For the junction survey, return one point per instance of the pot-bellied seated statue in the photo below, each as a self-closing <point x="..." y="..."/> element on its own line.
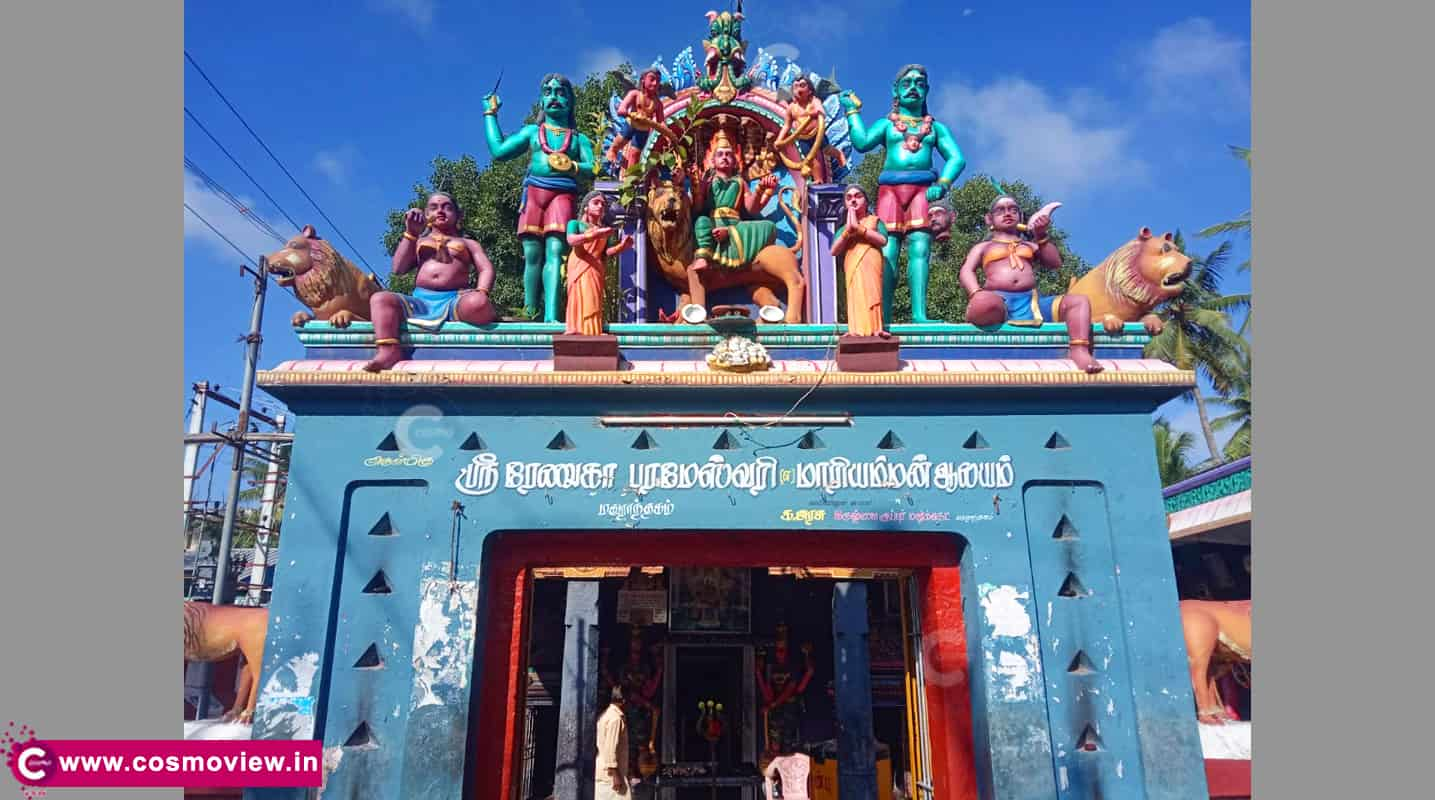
<point x="1218" y="639"/>
<point x="1010" y="293"/>
<point x="444" y="258"/>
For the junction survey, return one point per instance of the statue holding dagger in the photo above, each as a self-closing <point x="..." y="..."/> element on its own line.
<point x="558" y="154"/>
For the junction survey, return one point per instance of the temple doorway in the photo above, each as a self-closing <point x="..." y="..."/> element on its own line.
<point x="725" y="668"/>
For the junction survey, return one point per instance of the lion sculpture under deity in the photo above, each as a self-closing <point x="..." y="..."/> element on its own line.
<point x="1133" y="280"/>
<point x="334" y="289"/>
<point x="670" y="233"/>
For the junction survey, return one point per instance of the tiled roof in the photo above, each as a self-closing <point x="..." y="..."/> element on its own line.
<point x="1218" y="513"/>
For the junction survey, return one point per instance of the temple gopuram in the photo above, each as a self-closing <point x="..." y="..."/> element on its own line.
<point x="922" y="560"/>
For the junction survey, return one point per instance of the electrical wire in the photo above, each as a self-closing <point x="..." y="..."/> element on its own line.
<point x="214" y="186"/>
<point x="247" y="259"/>
<point x="285" y="169"/>
<point x="746" y="428"/>
<point x="200" y="217"/>
<point x="236" y="163"/>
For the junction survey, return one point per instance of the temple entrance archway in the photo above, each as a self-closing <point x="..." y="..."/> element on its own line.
<point x="891" y="600"/>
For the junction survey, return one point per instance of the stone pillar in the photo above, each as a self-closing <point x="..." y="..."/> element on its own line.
<point x="577" y="710"/>
<point x="856" y="746"/>
<point x="825" y="213"/>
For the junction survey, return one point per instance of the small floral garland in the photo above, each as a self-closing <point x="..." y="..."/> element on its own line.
<point x="913" y="142"/>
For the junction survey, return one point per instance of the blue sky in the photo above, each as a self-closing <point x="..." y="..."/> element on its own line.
<point x="1121" y="110"/>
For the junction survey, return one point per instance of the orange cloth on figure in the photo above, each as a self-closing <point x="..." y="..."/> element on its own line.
<point x="998" y="250"/>
<point x="584" y="314"/>
<point x="863" y="264"/>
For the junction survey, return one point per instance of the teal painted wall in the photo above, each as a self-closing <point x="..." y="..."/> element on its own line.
<point x="401" y="729"/>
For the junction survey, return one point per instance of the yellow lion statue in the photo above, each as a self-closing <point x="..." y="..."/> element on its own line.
<point x="334" y="289"/>
<point x="1133" y="280"/>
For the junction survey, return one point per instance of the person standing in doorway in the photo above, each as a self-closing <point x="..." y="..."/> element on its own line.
<point x="611" y="769"/>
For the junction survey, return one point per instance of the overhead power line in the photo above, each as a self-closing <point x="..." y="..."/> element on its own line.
<point x="244" y="210"/>
<point x="285" y="169"/>
<point x="236" y="163"/>
<point x="247" y="258"/>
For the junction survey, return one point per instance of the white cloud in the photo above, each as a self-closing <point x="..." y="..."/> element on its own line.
<point x="238" y="228"/>
<point x="1192" y="65"/>
<point x="599" y="60"/>
<point x="419" y="13"/>
<point x="1017" y="128"/>
<point x="337" y="164"/>
<point x="785" y="50"/>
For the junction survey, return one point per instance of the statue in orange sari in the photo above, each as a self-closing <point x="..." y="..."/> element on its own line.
<point x="593" y="243"/>
<point x="861" y="238"/>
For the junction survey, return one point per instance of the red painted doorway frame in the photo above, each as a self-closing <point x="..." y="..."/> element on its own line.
<point x="495" y="745"/>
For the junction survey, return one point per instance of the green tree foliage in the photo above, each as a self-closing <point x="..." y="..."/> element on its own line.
<point x="251" y="496"/>
<point x="1197" y="334"/>
<point x="1173" y="451"/>
<point x="1241" y="224"/>
<point x="489" y="195"/>
<point x="1237" y="398"/>
<point x="969" y="203"/>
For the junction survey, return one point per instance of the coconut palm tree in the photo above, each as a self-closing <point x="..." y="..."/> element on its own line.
<point x="1172" y="451"/>
<point x="1238" y="399"/>
<point x="1241" y="224"/>
<point x="255" y="471"/>
<point x="1198" y="336"/>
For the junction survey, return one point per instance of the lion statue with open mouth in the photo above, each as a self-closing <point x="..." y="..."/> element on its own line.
<point x="335" y="290"/>
<point x="1133" y="280"/>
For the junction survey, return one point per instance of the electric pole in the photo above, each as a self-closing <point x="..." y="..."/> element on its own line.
<point x="222" y="587"/>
